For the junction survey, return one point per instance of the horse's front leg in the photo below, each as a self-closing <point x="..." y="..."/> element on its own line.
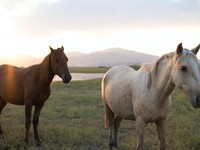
<point x="37" y="111"/>
<point x="28" y="111"/>
<point x="140" y="126"/>
<point x="161" y="125"/>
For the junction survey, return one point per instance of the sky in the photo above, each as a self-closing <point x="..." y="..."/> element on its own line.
<point x="154" y="27"/>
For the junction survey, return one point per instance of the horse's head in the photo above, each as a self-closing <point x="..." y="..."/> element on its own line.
<point x="186" y="73"/>
<point x="59" y="64"/>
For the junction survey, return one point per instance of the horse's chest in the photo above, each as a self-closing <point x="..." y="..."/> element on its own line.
<point x="41" y="96"/>
<point x="44" y="97"/>
<point x="153" y="113"/>
<point x="40" y="99"/>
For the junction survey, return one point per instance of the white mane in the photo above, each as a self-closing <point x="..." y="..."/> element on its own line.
<point x="152" y="67"/>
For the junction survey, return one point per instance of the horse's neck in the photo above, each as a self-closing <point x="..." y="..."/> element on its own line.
<point x="46" y="72"/>
<point x="162" y="81"/>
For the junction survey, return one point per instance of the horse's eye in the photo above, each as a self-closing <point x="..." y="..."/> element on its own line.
<point x="183" y="68"/>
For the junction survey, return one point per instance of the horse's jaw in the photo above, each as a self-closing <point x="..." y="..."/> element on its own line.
<point x="193" y="96"/>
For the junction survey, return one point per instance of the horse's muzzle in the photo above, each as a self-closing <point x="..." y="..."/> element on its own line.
<point x="66" y="78"/>
<point x="196" y="102"/>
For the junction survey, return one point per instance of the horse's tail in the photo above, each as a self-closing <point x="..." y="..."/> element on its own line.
<point x="107" y="112"/>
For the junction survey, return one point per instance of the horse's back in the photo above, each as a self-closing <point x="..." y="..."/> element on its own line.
<point x="11" y="74"/>
<point x="12" y="84"/>
<point x="117" y="71"/>
<point x="117" y="75"/>
<point x="116" y="91"/>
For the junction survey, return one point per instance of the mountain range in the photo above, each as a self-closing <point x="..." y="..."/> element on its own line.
<point x="108" y="57"/>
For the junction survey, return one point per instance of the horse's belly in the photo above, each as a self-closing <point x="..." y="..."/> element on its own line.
<point x="121" y="105"/>
<point x="13" y="95"/>
<point x="118" y="91"/>
<point x="16" y="102"/>
<point x="14" y="99"/>
<point x="124" y="111"/>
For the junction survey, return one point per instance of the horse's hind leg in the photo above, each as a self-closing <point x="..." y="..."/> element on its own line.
<point x="108" y="122"/>
<point x="117" y="121"/>
<point x="2" y="105"/>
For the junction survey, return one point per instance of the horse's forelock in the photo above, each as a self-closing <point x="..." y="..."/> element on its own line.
<point x="187" y="54"/>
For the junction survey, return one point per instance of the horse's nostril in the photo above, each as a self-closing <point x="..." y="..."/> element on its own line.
<point x="65" y="77"/>
<point x="198" y="100"/>
<point x="70" y="77"/>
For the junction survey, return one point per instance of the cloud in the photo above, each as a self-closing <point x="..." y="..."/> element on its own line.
<point x="177" y="1"/>
<point x="45" y="17"/>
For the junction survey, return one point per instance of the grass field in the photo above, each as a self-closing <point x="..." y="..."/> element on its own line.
<point x="72" y="119"/>
<point x="88" y="69"/>
<point x="101" y="69"/>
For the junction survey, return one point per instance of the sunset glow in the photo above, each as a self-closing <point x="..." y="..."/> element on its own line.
<point x="29" y="27"/>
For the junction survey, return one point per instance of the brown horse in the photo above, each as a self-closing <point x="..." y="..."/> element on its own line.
<point x="31" y="86"/>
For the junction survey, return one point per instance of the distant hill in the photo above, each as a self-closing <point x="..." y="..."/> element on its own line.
<point x="109" y="57"/>
<point x="22" y="61"/>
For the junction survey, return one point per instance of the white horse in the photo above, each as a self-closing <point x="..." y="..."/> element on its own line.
<point x="144" y="95"/>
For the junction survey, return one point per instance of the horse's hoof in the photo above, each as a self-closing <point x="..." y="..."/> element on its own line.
<point x="26" y="146"/>
<point x="26" y="140"/>
<point x="113" y="144"/>
<point x="38" y="143"/>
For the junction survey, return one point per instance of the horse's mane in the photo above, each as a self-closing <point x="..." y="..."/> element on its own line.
<point x="46" y="63"/>
<point x="152" y="67"/>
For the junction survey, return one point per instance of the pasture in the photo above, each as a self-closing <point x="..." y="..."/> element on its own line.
<point x="72" y="119"/>
<point x="88" y="69"/>
<point x="100" y="69"/>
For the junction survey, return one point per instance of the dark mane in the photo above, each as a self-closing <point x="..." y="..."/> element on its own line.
<point x="46" y="64"/>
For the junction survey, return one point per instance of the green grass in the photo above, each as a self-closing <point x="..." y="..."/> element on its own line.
<point x="72" y="119"/>
<point x="88" y="69"/>
<point x="100" y="69"/>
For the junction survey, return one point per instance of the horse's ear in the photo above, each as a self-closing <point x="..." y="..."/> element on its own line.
<point x="62" y="49"/>
<point x="51" y="48"/>
<point x="179" y="49"/>
<point x="196" y="49"/>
